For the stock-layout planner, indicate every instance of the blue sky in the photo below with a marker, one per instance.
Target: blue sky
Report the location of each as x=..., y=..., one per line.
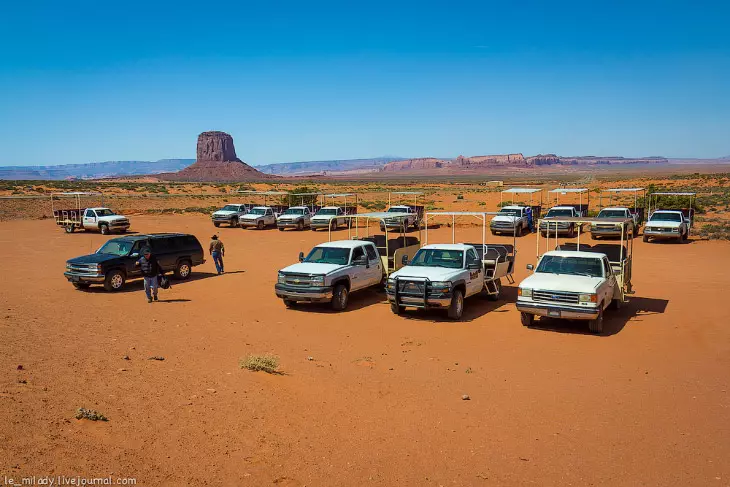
x=96, y=81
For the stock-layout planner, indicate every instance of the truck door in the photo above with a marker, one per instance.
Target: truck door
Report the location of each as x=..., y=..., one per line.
x=375, y=273
x=89, y=219
x=358, y=273
x=610, y=288
x=475, y=279
x=134, y=255
x=269, y=218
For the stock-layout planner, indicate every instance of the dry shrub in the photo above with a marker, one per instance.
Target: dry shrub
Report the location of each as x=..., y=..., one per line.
x=266, y=363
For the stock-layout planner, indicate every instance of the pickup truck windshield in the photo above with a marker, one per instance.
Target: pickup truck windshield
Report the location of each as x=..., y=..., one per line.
x=230, y=208
x=510, y=212
x=105, y=212
x=327, y=211
x=258, y=211
x=575, y=266
x=561, y=212
x=612, y=214
x=294, y=211
x=328, y=255
x=451, y=259
x=116, y=247
x=666, y=217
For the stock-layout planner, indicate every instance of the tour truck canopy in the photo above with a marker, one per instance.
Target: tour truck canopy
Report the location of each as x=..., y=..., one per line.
x=515, y=191
x=616, y=191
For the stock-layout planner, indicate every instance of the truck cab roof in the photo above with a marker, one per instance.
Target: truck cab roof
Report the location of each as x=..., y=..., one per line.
x=563, y=208
x=615, y=208
x=575, y=253
x=461, y=246
x=344, y=244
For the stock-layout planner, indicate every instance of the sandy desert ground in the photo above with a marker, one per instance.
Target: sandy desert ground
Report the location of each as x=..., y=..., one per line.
x=381, y=402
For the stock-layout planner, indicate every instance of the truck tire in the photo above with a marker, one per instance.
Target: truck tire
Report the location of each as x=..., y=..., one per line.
x=596, y=326
x=616, y=303
x=82, y=285
x=260, y=225
x=456, y=308
x=216, y=224
x=300, y=225
x=114, y=280
x=396, y=309
x=340, y=297
x=493, y=232
x=333, y=225
x=234, y=222
x=685, y=236
x=289, y=303
x=70, y=228
x=104, y=229
x=646, y=238
x=495, y=297
x=281, y=229
x=183, y=270
x=527, y=319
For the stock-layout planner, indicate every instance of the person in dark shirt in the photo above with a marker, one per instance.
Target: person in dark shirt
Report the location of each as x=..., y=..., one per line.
x=150, y=271
x=217, y=250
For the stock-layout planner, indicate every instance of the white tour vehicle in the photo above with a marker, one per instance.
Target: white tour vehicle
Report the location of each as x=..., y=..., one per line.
x=517, y=218
x=333, y=216
x=298, y=217
x=258, y=217
x=330, y=272
x=97, y=218
x=669, y=224
x=441, y=276
x=230, y=214
x=635, y=213
x=578, y=281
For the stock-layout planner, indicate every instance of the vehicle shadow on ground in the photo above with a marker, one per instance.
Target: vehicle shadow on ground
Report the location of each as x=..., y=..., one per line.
x=358, y=300
x=613, y=320
x=179, y=300
x=137, y=285
x=475, y=307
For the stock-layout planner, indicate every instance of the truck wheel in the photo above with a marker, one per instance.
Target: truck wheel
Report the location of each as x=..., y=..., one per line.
x=527, y=319
x=82, y=285
x=685, y=236
x=281, y=229
x=104, y=229
x=339, y=297
x=646, y=238
x=300, y=225
x=114, y=280
x=234, y=222
x=596, y=326
x=289, y=303
x=456, y=309
x=260, y=225
x=495, y=297
x=216, y=224
x=493, y=232
x=396, y=309
x=333, y=225
x=617, y=303
x=182, y=271
x=70, y=228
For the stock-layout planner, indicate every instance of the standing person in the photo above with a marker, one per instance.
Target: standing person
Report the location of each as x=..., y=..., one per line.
x=528, y=212
x=150, y=270
x=217, y=250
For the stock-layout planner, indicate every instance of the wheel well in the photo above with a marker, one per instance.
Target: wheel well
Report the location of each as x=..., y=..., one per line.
x=462, y=287
x=120, y=269
x=184, y=258
x=103, y=223
x=342, y=280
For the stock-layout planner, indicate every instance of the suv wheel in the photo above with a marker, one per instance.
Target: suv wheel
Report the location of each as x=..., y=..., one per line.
x=183, y=269
x=114, y=280
x=456, y=309
x=527, y=319
x=104, y=228
x=340, y=297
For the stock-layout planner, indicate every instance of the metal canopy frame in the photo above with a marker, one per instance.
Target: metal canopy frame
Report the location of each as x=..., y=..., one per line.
x=479, y=215
x=76, y=197
x=654, y=197
x=265, y=194
x=617, y=191
x=514, y=191
x=334, y=197
x=579, y=191
x=400, y=194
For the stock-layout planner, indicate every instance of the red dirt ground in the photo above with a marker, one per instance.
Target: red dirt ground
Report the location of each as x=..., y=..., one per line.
x=380, y=404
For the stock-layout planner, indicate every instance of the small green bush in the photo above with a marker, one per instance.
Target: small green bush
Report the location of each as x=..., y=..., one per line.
x=266, y=363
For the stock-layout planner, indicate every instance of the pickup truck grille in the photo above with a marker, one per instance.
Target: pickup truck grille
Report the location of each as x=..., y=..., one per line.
x=411, y=287
x=509, y=225
x=81, y=268
x=659, y=229
x=301, y=280
x=562, y=297
x=544, y=225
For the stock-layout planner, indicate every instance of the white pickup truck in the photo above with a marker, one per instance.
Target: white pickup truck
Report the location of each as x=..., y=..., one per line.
x=443, y=275
x=548, y=227
x=330, y=273
x=259, y=217
x=332, y=217
x=98, y=219
x=512, y=220
x=298, y=217
x=607, y=229
x=404, y=217
x=668, y=224
x=229, y=214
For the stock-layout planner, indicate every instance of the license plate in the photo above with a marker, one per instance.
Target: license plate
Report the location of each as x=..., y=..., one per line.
x=554, y=313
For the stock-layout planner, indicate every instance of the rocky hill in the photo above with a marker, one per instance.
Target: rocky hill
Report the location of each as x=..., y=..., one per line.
x=423, y=164
x=93, y=170
x=326, y=167
x=217, y=161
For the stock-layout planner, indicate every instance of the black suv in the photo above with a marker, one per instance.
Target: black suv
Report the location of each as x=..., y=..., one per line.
x=114, y=263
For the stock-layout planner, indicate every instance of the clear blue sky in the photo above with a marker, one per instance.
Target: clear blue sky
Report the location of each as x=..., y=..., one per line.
x=94, y=81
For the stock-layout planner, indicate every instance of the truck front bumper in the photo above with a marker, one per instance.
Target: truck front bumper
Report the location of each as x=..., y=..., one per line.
x=289, y=224
x=83, y=278
x=661, y=234
x=309, y=294
x=248, y=223
x=606, y=232
x=557, y=311
x=504, y=228
x=320, y=223
x=438, y=301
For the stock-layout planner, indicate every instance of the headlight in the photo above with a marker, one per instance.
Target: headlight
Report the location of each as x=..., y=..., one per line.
x=391, y=283
x=441, y=286
x=317, y=280
x=281, y=279
x=98, y=267
x=587, y=298
x=524, y=292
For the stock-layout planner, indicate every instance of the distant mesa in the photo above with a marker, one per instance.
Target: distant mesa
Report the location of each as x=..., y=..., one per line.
x=423, y=164
x=216, y=160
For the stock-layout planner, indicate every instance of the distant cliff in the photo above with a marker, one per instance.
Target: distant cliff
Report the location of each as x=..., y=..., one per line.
x=94, y=170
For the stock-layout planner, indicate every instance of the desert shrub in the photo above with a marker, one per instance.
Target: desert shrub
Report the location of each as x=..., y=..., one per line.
x=717, y=230
x=459, y=196
x=90, y=414
x=308, y=200
x=373, y=205
x=266, y=363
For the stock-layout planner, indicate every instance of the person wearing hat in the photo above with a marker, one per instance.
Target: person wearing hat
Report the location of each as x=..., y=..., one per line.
x=217, y=250
x=150, y=271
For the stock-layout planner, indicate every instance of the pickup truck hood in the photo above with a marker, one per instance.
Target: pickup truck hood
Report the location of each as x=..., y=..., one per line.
x=562, y=282
x=112, y=218
x=311, y=268
x=663, y=224
x=323, y=218
x=223, y=213
x=432, y=273
x=289, y=218
x=505, y=218
x=251, y=216
x=92, y=259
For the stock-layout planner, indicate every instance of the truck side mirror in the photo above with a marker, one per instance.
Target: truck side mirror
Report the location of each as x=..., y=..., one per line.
x=474, y=265
x=134, y=255
x=530, y=267
x=362, y=260
x=404, y=260
x=301, y=256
